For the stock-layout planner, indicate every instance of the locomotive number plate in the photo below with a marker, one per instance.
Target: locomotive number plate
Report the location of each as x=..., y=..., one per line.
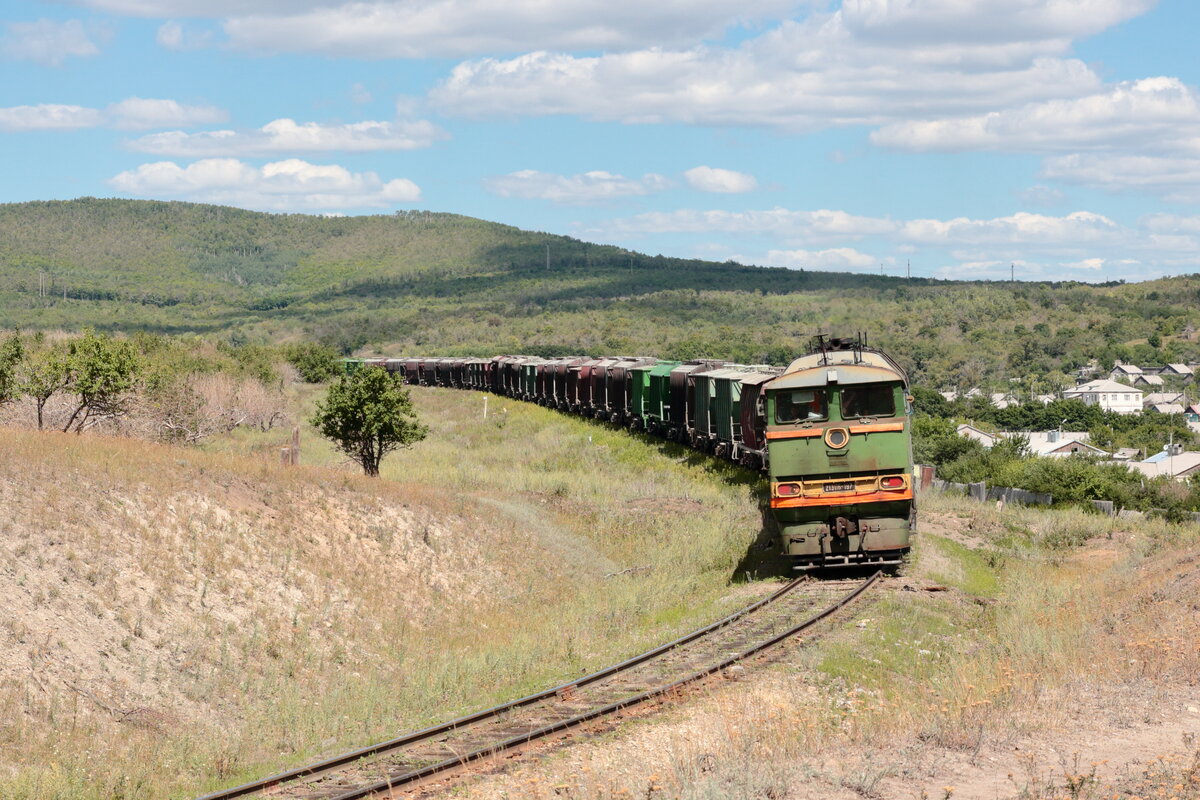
x=839, y=487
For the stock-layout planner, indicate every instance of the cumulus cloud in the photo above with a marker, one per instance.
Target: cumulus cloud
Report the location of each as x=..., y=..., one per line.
x=132, y=113
x=425, y=28
x=724, y=181
x=289, y=136
x=985, y=21
x=802, y=75
x=49, y=117
x=1023, y=228
x=837, y=258
x=821, y=224
x=590, y=187
x=1176, y=179
x=290, y=185
x=1158, y=112
x=139, y=113
x=47, y=41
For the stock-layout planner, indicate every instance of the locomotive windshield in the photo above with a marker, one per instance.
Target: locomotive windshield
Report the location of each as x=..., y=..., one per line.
x=803, y=405
x=877, y=400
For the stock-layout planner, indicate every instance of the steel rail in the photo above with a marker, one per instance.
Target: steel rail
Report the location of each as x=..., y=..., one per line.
x=413, y=776
x=334, y=762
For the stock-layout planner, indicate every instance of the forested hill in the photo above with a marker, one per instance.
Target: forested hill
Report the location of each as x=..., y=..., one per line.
x=448, y=284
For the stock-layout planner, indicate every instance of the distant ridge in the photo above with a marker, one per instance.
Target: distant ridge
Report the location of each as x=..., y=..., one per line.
x=450, y=284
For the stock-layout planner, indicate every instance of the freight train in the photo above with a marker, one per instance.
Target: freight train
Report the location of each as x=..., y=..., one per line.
x=831, y=431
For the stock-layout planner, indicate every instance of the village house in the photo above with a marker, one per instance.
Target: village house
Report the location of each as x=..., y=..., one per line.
x=1049, y=444
x=1157, y=398
x=1173, y=461
x=1124, y=372
x=1109, y=395
x=1147, y=380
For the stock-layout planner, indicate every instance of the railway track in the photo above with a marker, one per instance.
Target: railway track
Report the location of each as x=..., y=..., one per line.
x=406, y=761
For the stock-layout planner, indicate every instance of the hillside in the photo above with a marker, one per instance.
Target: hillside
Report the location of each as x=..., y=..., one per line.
x=177, y=619
x=447, y=284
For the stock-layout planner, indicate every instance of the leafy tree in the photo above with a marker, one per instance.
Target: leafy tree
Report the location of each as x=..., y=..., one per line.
x=368, y=414
x=316, y=363
x=41, y=376
x=101, y=372
x=12, y=353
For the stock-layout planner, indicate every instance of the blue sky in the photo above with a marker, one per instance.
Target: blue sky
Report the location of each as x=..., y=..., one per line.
x=963, y=136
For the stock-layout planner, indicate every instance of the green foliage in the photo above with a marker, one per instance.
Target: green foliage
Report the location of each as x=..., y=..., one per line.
x=936, y=441
x=100, y=372
x=316, y=363
x=12, y=353
x=368, y=414
x=42, y=375
x=442, y=284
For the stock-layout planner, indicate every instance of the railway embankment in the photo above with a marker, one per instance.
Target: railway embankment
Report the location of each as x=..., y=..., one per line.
x=1040, y=654
x=181, y=619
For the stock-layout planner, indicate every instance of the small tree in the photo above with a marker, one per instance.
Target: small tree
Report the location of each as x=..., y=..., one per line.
x=12, y=353
x=102, y=372
x=368, y=414
x=41, y=376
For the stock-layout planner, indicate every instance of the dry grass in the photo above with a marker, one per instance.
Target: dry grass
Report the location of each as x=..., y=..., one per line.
x=1033, y=637
x=183, y=619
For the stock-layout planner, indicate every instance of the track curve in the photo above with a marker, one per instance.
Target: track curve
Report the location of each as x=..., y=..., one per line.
x=415, y=757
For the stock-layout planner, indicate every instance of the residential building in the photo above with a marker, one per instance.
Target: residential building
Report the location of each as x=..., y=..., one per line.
x=1056, y=444
x=1124, y=372
x=1050, y=444
x=1154, y=398
x=1173, y=461
x=1146, y=380
x=1109, y=395
x=1166, y=408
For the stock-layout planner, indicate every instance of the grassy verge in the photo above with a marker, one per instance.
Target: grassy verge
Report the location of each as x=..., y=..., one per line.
x=1028, y=623
x=184, y=620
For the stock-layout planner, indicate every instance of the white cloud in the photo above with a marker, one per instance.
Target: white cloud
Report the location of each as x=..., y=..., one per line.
x=291, y=185
x=129, y=114
x=289, y=136
x=908, y=23
x=424, y=28
x=49, y=117
x=172, y=36
x=725, y=181
x=589, y=187
x=821, y=224
x=1022, y=228
x=802, y=76
x=137, y=113
x=837, y=258
x=47, y=41
x=1160, y=113
x=1177, y=179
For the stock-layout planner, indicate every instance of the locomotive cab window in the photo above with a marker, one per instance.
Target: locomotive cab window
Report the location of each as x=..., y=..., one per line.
x=804, y=405
x=868, y=401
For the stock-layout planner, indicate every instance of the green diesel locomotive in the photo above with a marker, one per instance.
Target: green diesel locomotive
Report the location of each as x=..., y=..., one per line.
x=839, y=457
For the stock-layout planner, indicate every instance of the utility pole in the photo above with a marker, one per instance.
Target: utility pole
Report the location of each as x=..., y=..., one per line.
x=547, y=257
x=881, y=270
x=908, y=268
x=1012, y=272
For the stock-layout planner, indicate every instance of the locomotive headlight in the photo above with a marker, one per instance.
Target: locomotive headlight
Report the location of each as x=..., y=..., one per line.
x=787, y=489
x=891, y=483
